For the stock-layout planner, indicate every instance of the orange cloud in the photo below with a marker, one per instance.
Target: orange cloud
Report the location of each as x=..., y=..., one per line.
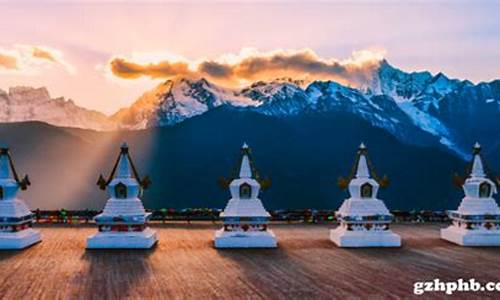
x=43, y=54
x=8, y=62
x=29, y=59
x=164, y=69
x=251, y=65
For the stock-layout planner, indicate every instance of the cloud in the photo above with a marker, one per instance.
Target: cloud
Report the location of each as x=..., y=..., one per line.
x=251, y=65
x=7, y=61
x=130, y=70
x=43, y=54
x=30, y=59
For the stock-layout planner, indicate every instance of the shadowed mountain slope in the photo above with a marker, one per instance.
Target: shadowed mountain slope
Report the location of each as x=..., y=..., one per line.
x=303, y=155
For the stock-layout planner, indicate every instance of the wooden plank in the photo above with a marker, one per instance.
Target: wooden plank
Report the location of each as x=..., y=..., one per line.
x=185, y=265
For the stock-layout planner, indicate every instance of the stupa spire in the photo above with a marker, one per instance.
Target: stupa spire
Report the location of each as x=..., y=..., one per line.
x=4, y=163
x=245, y=167
x=7, y=169
x=362, y=170
x=123, y=168
x=124, y=165
x=477, y=163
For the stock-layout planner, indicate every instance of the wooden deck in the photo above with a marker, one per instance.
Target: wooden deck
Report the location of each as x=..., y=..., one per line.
x=185, y=265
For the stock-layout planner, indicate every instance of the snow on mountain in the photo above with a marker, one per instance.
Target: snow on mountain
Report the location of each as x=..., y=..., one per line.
x=469, y=114
x=402, y=86
x=399, y=85
x=379, y=110
x=414, y=107
x=428, y=99
x=417, y=108
x=174, y=101
x=279, y=97
x=34, y=104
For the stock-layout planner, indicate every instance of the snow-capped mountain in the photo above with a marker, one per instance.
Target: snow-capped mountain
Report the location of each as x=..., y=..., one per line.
x=280, y=97
x=458, y=112
x=174, y=101
x=34, y=104
x=417, y=108
x=379, y=110
x=404, y=86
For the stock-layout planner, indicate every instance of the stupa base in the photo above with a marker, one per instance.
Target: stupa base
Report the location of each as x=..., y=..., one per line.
x=122, y=240
x=238, y=239
x=361, y=239
x=471, y=238
x=19, y=240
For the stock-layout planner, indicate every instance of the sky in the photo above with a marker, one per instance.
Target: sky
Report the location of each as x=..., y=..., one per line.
x=105, y=55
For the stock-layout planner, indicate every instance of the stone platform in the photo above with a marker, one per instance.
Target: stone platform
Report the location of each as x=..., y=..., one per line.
x=122, y=240
x=238, y=239
x=471, y=238
x=361, y=239
x=19, y=240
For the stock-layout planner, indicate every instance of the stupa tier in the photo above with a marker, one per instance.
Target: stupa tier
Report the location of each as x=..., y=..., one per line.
x=364, y=219
x=245, y=219
x=123, y=222
x=15, y=217
x=476, y=222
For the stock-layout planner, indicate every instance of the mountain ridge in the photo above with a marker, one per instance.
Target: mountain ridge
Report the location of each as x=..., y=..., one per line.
x=417, y=107
x=411, y=106
x=23, y=103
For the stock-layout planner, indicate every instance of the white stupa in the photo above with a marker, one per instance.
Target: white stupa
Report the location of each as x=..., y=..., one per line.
x=245, y=219
x=476, y=222
x=15, y=217
x=123, y=223
x=364, y=219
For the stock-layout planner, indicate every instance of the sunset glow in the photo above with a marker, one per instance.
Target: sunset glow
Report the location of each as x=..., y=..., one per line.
x=251, y=65
x=105, y=55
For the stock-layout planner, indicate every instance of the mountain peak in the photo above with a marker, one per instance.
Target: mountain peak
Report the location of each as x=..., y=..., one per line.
x=29, y=93
x=416, y=107
x=175, y=100
x=24, y=103
x=190, y=79
x=384, y=63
